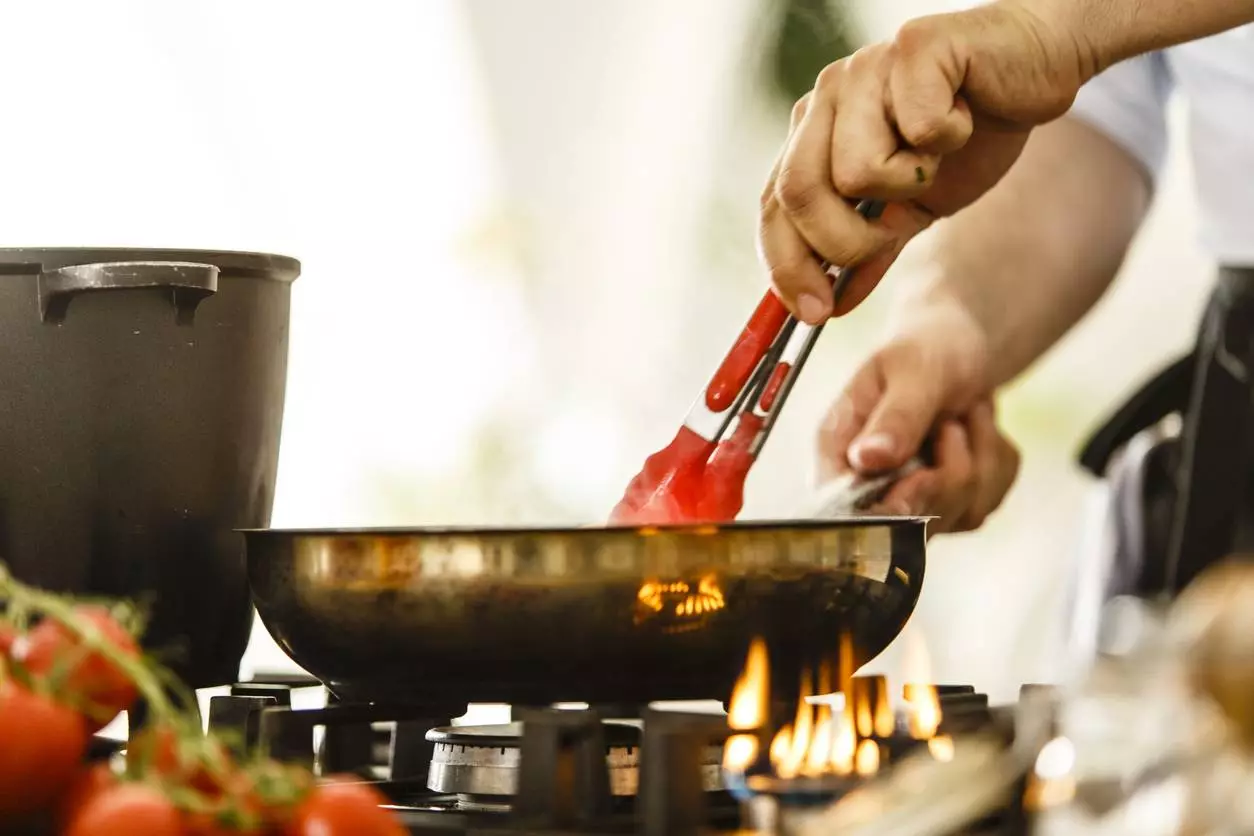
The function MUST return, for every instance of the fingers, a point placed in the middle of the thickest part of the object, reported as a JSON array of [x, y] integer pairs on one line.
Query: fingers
[[948, 492], [902, 221], [798, 111], [824, 216], [974, 469], [996, 463], [927, 73], [868, 160], [809, 207], [845, 145], [846, 418], [875, 127], [897, 425], [943, 490], [904, 497], [795, 271]]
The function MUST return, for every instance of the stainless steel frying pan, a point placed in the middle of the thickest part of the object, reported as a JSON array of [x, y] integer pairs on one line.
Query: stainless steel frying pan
[[622, 615]]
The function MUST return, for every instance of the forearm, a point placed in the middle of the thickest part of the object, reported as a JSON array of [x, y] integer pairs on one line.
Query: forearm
[[1027, 260], [1110, 31]]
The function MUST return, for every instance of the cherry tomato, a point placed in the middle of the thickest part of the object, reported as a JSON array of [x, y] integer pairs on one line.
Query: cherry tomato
[[218, 824], [83, 789], [8, 635], [341, 808], [273, 791], [92, 681], [199, 763], [203, 766], [156, 748], [241, 812], [42, 744], [127, 810]]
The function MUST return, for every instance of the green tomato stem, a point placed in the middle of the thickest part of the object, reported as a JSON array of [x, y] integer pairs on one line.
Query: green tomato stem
[[26, 599]]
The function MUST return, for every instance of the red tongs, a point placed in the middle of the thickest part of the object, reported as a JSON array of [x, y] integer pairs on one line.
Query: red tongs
[[700, 475]]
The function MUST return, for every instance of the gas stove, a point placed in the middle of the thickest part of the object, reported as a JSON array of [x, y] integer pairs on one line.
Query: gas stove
[[613, 769]]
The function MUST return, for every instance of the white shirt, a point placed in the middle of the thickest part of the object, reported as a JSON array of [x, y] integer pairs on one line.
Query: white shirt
[[1215, 76]]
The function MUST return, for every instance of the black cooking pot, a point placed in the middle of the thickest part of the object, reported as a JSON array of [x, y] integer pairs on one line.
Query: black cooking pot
[[141, 397]]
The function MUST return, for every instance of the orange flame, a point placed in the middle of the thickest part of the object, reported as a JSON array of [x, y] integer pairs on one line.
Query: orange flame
[[844, 742], [867, 760], [835, 732], [818, 754], [823, 737], [747, 711], [941, 747], [923, 712], [740, 751], [862, 713], [706, 597], [885, 721], [819, 740], [791, 746]]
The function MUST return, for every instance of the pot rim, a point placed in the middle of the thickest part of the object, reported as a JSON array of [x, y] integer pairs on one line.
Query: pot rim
[[26, 261]]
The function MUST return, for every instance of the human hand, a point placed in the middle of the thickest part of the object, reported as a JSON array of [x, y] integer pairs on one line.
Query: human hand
[[927, 123], [927, 381]]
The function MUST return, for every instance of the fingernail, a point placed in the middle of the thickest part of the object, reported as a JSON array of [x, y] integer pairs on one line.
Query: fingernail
[[875, 446], [812, 309]]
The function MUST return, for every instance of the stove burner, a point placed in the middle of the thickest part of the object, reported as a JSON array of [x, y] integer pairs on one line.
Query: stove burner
[[555, 773], [480, 763]]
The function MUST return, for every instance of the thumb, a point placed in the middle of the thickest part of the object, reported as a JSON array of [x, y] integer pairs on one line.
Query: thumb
[[897, 426], [847, 417]]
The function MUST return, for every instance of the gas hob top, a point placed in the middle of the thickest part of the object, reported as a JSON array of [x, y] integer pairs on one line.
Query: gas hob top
[[608, 769]]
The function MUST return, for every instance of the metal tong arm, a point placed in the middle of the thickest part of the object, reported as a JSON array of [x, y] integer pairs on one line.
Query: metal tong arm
[[772, 382]]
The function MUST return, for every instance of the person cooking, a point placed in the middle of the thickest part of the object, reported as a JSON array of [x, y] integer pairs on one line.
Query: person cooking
[[958, 118]]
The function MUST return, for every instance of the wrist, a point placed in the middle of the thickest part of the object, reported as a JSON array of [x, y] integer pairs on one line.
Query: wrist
[[944, 327], [1104, 33], [1081, 34]]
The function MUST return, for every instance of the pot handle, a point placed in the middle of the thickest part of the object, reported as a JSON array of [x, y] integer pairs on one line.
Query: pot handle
[[189, 284]]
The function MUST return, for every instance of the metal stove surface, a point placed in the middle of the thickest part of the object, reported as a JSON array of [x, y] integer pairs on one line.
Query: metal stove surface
[[548, 773], [480, 764]]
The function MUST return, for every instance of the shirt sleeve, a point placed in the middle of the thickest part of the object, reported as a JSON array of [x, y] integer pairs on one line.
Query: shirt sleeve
[[1128, 103]]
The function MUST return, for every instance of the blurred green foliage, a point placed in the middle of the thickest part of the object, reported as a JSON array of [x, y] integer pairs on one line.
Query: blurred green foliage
[[811, 35]]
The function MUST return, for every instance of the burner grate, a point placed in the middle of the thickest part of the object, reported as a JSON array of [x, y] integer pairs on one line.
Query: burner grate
[[560, 772]]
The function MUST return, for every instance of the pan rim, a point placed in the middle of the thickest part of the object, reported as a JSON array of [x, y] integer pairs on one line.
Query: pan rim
[[774, 525]]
